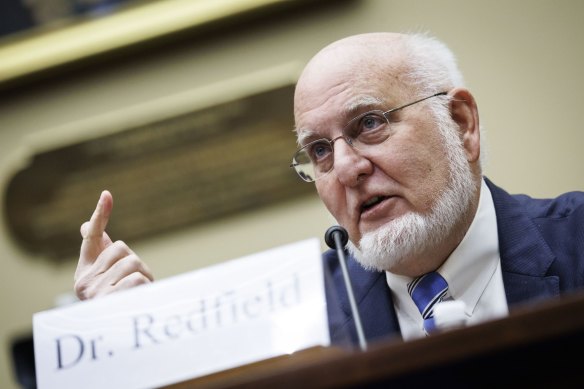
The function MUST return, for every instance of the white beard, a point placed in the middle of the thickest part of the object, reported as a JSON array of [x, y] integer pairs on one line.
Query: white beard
[[392, 244]]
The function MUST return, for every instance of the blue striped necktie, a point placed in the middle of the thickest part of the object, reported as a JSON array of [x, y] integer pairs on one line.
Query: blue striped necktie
[[426, 291]]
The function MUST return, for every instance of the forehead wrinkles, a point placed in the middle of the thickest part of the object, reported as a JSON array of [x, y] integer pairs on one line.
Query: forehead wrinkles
[[317, 104], [372, 78]]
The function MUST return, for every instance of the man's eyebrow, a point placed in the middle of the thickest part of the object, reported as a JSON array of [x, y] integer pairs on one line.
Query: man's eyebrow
[[360, 103], [306, 136]]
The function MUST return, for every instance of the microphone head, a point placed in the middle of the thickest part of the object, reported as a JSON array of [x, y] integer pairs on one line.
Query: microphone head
[[329, 236]]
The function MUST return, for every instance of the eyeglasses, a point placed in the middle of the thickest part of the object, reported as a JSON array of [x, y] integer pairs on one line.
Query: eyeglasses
[[315, 159]]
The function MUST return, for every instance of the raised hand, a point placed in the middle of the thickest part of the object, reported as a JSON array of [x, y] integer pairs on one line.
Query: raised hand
[[105, 266]]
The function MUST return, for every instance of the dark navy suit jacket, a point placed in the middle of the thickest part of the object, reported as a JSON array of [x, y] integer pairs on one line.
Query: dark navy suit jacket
[[541, 244]]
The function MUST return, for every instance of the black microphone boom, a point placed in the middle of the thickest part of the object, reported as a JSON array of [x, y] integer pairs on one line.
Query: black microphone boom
[[336, 237]]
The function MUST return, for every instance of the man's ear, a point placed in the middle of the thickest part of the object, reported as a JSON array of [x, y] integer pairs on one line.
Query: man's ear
[[464, 112]]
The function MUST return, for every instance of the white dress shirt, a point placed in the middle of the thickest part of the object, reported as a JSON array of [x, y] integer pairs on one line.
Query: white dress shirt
[[473, 273]]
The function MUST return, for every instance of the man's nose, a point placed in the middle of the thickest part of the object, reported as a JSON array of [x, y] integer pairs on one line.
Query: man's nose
[[349, 163]]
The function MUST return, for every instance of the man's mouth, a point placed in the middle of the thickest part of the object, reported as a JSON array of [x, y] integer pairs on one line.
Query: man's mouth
[[372, 202]]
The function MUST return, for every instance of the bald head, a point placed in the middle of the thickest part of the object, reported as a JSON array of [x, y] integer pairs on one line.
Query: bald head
[[365, 50], [356, 59], [411, 65], [357, 50]]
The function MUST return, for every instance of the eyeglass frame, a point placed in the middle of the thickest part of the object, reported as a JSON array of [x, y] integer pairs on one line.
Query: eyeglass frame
[[348, 139]]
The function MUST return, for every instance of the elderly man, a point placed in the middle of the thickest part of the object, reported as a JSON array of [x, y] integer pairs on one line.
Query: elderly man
[[391, 139]]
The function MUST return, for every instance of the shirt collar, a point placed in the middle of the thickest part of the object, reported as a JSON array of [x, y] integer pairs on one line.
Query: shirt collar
[[473, 263]]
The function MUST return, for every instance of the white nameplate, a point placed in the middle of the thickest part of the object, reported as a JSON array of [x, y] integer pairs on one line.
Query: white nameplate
[[182, 327]]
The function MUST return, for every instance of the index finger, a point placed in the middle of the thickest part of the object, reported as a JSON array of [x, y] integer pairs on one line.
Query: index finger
[[93, 233]]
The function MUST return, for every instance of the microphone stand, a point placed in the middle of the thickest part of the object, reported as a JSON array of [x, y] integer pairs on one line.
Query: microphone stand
[[336, 237]]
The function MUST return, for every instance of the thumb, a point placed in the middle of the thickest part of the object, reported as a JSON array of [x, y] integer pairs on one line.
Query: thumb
[[95, 239]]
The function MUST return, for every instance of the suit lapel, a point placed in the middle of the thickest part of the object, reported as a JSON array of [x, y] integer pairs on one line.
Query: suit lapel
[[374, 302], [525, 256]]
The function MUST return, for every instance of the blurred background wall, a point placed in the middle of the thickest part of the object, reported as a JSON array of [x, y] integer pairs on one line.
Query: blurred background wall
[[523, 61]]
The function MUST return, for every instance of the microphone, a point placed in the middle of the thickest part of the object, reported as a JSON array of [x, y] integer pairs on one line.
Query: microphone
[[336, 237]]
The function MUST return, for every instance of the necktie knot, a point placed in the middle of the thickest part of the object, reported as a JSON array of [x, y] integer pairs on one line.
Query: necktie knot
[[426, 291]]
